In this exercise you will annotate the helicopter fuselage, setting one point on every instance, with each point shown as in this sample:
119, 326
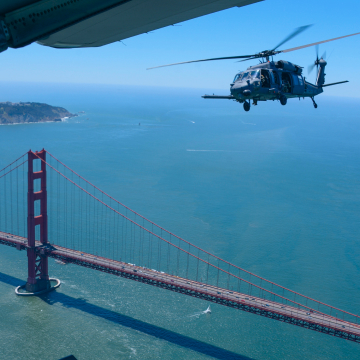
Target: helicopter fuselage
273, 81
278, 80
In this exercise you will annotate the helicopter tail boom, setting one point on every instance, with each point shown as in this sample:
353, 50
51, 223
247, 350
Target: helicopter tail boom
229, 97
340, 82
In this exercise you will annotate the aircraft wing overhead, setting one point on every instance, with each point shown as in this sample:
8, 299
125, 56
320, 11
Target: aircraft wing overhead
91, 23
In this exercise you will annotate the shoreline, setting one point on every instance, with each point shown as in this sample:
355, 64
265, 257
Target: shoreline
39, 122
32, 112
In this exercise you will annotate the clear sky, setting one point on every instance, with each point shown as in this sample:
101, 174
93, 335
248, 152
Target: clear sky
231, 32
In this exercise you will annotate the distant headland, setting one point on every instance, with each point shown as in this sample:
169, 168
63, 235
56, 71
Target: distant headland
30, 112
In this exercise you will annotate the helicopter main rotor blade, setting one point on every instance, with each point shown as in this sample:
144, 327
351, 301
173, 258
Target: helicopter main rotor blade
194, 61
311, 68
316, 43
250, 58
293, 34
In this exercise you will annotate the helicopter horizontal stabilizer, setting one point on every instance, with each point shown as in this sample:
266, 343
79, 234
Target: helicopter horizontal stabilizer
229, 97
340, 82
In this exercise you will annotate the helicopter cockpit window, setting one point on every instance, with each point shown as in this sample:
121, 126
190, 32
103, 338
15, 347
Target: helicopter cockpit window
255, 74
250, 74
245, 75
237, 76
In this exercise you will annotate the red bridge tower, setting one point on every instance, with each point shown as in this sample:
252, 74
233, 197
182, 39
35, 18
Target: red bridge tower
38, 277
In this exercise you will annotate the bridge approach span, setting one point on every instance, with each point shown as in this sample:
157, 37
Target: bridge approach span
312, 320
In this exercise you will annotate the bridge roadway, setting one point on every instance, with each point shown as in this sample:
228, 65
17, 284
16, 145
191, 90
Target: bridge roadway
310, 319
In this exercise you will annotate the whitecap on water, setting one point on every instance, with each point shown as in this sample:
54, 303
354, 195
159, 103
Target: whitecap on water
207, 311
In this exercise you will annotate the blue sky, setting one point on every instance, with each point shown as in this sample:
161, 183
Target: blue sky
231, 32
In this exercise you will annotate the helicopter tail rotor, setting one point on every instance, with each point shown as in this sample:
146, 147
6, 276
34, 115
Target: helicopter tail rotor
316, 63
311, 68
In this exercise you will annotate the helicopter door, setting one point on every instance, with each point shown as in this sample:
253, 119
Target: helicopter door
298, 82
286, 82
265, 78
275, 78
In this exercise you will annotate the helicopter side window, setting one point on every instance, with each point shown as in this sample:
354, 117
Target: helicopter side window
286, 82
295, 80
276, 77
255, 74
272, 80
265, 78
301, 81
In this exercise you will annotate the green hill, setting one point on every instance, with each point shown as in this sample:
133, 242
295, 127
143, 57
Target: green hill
26, 112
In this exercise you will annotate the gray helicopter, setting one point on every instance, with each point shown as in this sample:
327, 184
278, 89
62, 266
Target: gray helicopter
269, 80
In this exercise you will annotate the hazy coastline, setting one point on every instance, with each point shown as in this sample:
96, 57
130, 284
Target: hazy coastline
31, 112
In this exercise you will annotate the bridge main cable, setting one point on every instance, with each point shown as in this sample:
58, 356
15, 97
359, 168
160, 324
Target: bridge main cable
12, 168
175, 246
198, 248
190, 254
15, 161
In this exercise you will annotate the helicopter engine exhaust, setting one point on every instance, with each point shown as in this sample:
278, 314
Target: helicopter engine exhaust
286, 65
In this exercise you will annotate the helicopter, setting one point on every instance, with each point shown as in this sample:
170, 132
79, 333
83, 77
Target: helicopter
274, 80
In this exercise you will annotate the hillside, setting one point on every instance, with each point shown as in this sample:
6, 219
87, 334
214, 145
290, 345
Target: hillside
29, 112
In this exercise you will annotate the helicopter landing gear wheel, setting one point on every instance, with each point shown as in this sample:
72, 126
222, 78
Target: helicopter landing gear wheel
246, 106
283, 99
314, 103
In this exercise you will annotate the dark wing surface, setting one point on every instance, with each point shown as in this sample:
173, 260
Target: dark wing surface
91, 23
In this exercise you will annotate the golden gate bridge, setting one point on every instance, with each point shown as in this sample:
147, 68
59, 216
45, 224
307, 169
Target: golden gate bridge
89, 228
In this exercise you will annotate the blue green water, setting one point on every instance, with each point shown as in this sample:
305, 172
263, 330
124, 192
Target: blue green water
275, 191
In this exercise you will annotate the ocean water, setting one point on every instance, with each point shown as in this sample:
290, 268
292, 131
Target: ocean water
275, 191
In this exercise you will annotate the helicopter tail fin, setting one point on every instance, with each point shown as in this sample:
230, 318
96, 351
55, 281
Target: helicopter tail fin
340, 82
320, 80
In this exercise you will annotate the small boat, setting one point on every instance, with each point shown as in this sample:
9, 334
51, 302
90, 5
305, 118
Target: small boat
207, 311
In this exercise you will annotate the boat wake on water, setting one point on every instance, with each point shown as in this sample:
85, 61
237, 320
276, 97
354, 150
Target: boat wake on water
198, 314
60, 262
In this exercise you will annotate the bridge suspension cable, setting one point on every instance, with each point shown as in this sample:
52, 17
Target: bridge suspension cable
87, 220
116, 232
13, 196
